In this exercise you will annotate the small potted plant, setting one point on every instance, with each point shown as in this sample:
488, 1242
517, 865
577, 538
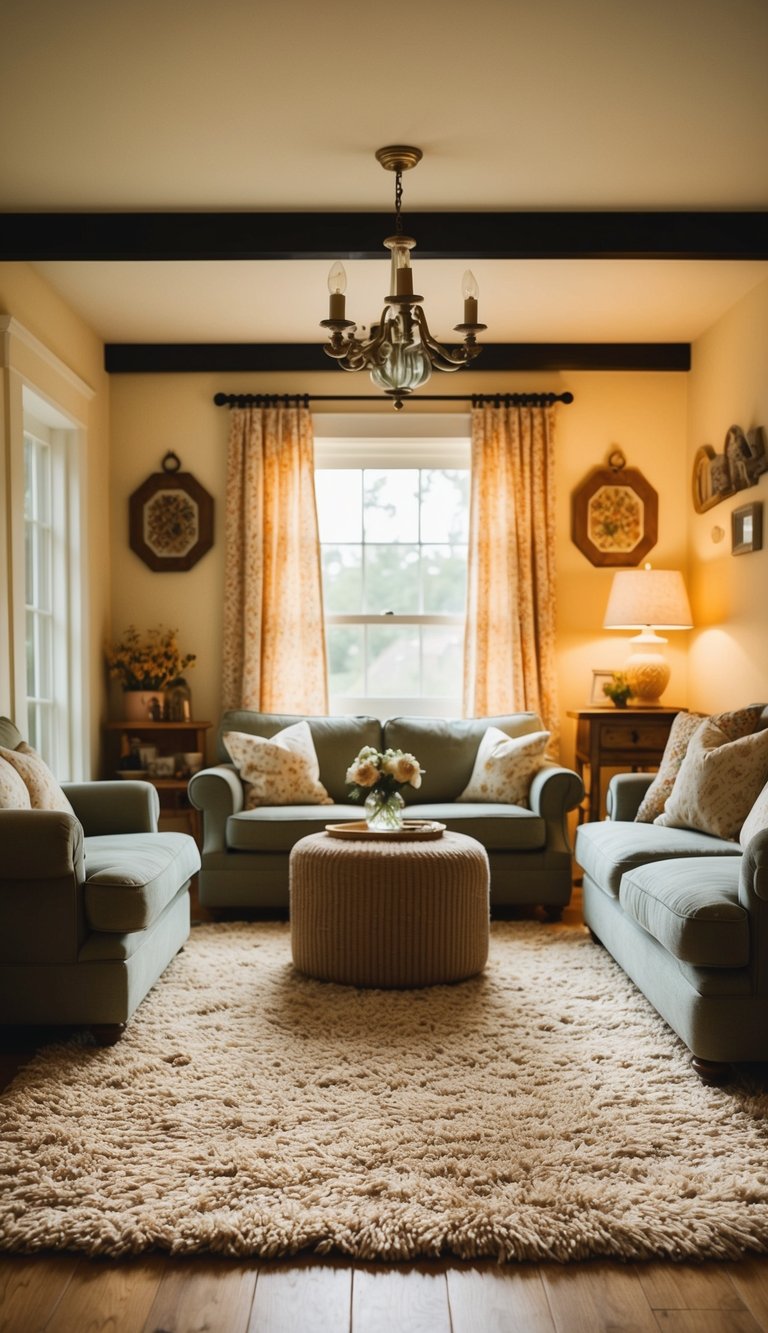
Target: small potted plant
617, 689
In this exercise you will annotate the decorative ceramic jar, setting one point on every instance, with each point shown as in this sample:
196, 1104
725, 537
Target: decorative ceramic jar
141, 705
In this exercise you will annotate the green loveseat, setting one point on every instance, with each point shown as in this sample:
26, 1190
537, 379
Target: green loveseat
685, 914
93, 906
245, 852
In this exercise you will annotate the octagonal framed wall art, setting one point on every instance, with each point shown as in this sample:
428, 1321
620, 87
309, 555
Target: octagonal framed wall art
170, 518
615, 514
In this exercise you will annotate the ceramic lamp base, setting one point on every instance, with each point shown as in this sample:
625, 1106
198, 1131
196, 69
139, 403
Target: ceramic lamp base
647, 676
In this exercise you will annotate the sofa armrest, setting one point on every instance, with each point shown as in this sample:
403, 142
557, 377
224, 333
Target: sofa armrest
40, 844
42, 917
625, 793
754, 869
114, 807
218, 793
554, 791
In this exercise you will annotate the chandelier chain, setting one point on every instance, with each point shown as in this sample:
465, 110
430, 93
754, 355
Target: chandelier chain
398, 202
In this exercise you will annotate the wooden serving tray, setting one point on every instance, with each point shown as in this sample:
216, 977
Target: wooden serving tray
413, 830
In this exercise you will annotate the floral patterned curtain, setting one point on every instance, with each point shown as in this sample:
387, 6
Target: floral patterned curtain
273, 640
509, 651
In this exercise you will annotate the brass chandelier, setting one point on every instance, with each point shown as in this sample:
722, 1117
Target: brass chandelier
401, 353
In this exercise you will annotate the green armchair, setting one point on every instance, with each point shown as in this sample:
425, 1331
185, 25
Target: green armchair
93, 905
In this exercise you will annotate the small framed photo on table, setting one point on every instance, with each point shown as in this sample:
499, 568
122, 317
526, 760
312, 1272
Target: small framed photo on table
597, 698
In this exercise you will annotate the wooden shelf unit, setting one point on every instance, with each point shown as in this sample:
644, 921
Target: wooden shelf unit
170, 738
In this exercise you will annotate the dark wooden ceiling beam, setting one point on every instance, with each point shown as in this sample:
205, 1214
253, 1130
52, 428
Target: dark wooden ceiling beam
450, 235
174, 358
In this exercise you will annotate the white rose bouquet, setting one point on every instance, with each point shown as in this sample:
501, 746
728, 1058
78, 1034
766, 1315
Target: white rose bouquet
384, 773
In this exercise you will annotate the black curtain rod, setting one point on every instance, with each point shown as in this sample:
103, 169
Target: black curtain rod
476, 399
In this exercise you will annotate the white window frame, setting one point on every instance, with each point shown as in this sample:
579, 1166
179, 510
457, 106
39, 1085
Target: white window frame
372, 441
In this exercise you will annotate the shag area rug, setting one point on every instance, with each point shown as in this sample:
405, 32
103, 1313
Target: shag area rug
539, 1111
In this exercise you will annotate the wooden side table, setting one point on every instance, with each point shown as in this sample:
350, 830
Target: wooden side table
618, 738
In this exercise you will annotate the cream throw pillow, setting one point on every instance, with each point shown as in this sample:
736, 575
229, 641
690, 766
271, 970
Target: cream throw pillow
13, 793
281, 770
504, 767
718, 782
756, 820
739, 722
42, 787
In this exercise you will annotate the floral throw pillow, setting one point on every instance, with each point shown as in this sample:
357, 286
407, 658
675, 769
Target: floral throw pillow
739, 722
504, 767
43, 789
756, 820
13, 793
281, 770
718, 782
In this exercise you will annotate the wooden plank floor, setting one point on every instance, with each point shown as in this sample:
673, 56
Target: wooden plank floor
63, 1293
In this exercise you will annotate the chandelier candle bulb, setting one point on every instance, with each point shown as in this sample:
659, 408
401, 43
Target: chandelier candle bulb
471, 292
337, 285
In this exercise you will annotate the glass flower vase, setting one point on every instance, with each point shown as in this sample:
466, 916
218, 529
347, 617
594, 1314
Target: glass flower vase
384, 811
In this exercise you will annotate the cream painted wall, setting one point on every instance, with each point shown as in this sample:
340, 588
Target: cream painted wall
729, 386
36, 308
645, 414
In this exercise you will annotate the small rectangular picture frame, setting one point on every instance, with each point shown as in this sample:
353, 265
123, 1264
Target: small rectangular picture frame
747, 528
599, 679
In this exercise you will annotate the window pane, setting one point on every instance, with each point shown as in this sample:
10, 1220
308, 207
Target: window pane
444, 578
444, 505
392, 580
393, 660
44, 570
442, 657
338, 493
346, 658
43, 484
343, 579
31, 656
28, 465
391, 512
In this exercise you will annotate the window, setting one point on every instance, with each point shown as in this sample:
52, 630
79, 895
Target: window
51, 605
393, 518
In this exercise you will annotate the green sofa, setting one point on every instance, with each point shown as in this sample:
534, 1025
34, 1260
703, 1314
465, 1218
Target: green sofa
93, 906
245, 852
685, 914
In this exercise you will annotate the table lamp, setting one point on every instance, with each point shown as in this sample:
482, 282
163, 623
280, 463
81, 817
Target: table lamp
649, 600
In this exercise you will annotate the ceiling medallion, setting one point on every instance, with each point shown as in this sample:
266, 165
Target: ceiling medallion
401, 353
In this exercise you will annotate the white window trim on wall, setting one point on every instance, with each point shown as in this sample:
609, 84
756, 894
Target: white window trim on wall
35, 381
348, 440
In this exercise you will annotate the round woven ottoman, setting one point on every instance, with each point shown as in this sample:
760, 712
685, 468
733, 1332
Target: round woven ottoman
389, 913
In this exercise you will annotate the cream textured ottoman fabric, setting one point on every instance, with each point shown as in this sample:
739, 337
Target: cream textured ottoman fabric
379, 913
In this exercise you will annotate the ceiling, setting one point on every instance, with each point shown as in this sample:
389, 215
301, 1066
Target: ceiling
565, 105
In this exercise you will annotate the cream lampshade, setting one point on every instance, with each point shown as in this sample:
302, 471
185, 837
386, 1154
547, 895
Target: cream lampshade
647, 599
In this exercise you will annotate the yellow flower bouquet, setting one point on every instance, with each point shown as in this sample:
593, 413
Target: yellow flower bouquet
148, 663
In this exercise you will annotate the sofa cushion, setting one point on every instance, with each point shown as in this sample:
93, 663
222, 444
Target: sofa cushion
691, 908
44, 791
280, 770
131, 877
500, 828
336, 739
739, 722
718, 782
276, 828
504, 766
756, 820
606, 850
507, 828
447, 748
